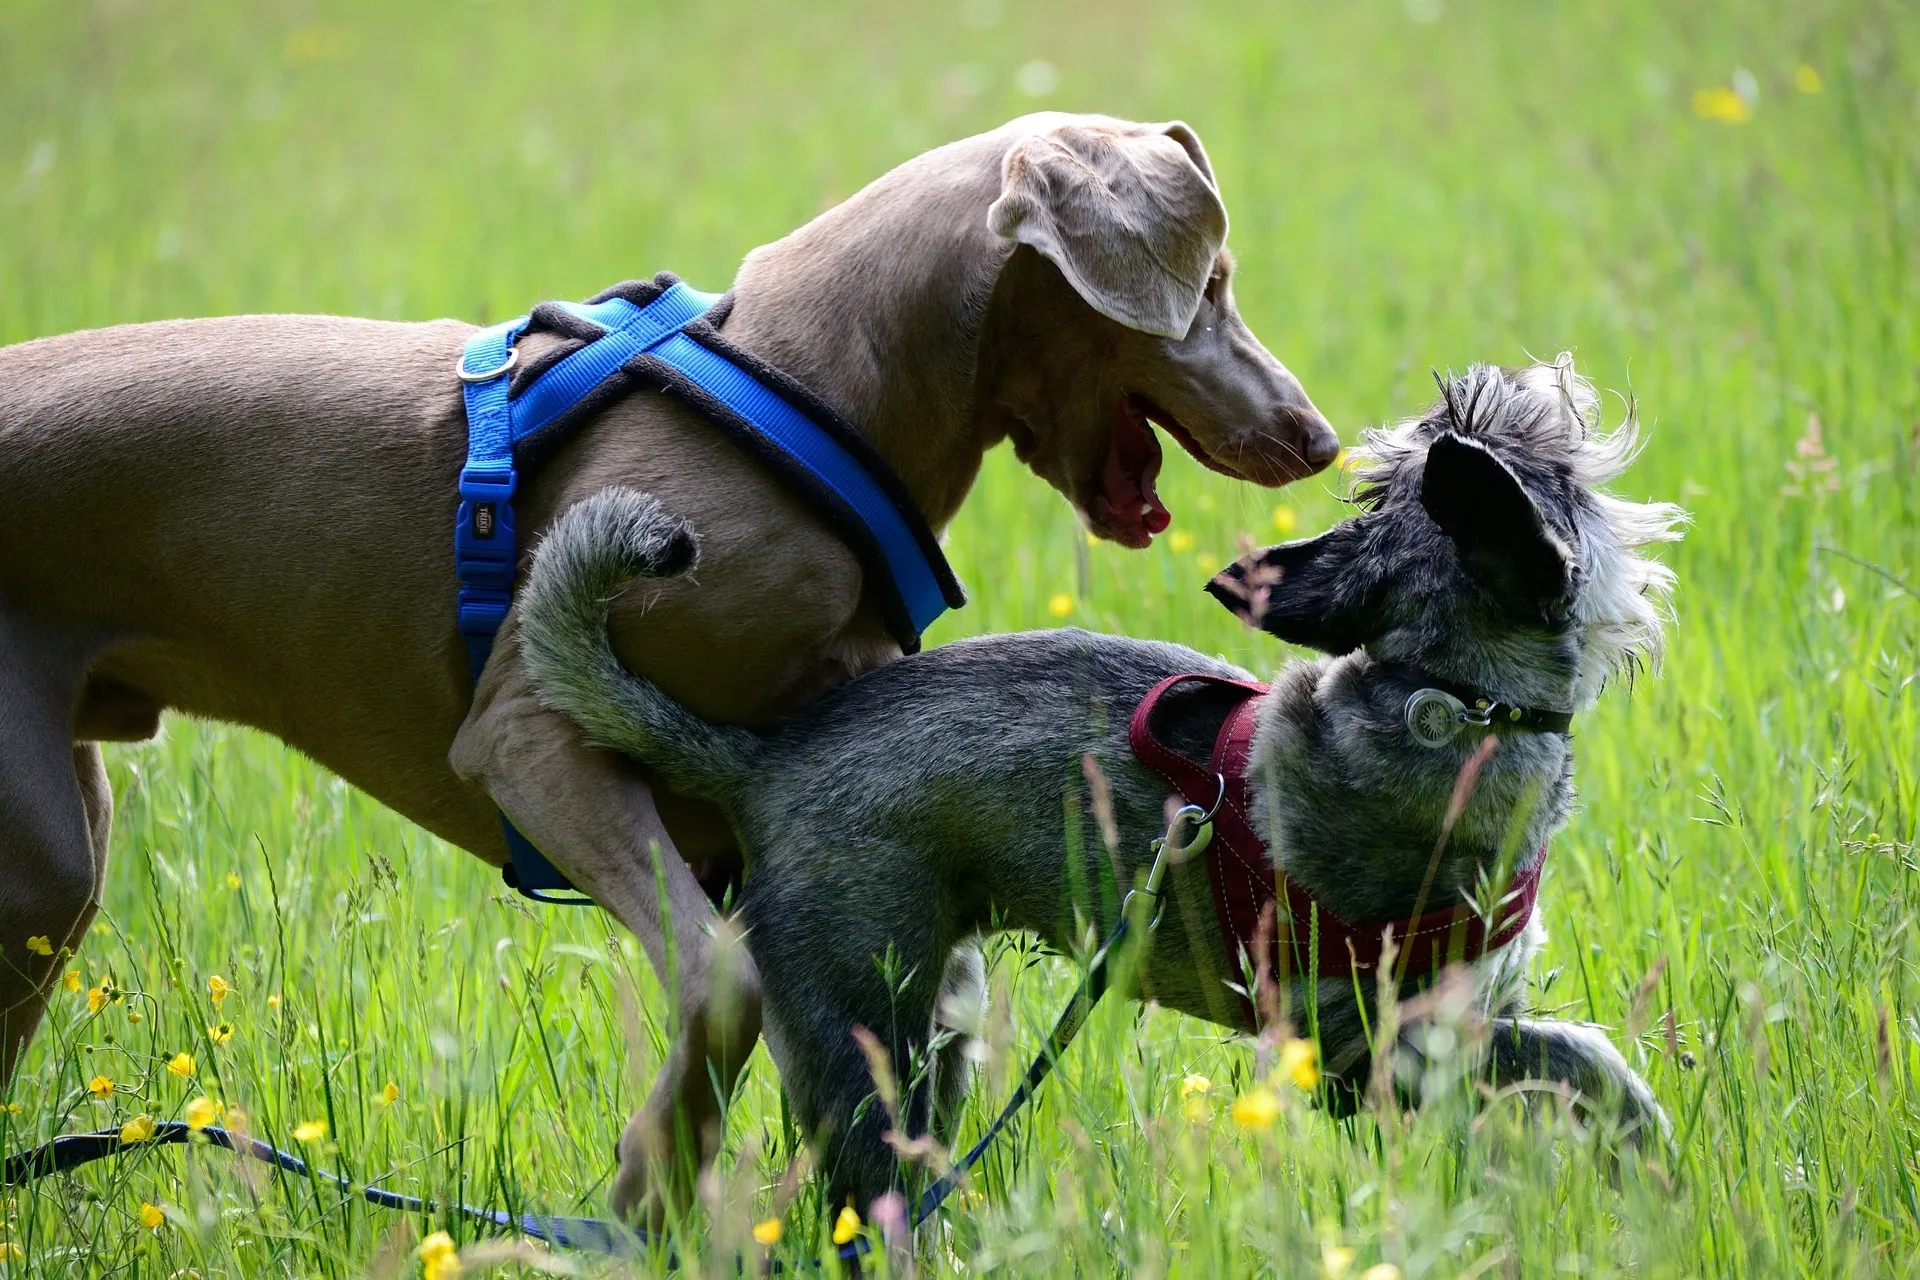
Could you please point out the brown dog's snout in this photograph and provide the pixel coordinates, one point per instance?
(1319, 444)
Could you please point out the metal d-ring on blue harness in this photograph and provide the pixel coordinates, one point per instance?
(760, 408)
(598, 1235)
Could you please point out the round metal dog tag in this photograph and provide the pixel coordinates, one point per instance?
(1434, 717)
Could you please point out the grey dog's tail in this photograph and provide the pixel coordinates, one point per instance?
(594, 550)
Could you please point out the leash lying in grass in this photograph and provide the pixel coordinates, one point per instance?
(599, 1235)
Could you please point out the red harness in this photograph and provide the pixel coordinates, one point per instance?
(1309, 938)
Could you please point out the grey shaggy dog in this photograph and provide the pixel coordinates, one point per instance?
(887, 826)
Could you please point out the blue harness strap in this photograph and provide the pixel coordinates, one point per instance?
(762, 409)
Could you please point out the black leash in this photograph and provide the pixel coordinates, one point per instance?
(597, 1235)
(72, 1150)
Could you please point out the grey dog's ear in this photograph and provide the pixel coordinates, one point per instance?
(1133, 220)
(1503, 541)
(1324, 593)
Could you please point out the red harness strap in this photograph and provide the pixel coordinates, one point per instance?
(1308, 937)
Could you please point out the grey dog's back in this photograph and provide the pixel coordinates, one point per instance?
(951, 751)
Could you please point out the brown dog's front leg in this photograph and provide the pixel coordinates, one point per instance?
(594, 816)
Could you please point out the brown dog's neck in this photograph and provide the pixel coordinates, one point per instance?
(877, 307)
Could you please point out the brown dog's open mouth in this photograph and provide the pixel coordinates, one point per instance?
(1126, 506)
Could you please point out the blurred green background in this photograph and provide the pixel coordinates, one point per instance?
(1716, 206)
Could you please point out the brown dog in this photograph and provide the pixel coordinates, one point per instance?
(250, 519)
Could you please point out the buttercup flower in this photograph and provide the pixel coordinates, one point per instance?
(768, 1232)
(311, 1131)
(1334, 1260)
(273, 1001)
(11, 1252)
(1807, 80)
(13, 1108)
(1180, 541)
(72, 980)
(96, 999)
(218, 989)
(40, 945)
(233, 879)
(846, 1226)
(1193, 1084)
(220, 1032)
(151, 1216)
(180, 1064)
(100, 1087)
(1299, 1063)
(389, 1094)
(1285, 519)
(1721, 104)
(138, 1129)
(1060, 605)
(1257, 1108)
(439, 1260)
(201, 1112)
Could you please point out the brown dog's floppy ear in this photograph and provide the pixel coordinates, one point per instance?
(1132, 220)
(1320, 592)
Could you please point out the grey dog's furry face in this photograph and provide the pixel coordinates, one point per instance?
(1485, 551)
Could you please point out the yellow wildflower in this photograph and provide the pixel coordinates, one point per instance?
(13, 1108)
(1381, 1271)
(11, 1252)
(1060, 605)
(1285, 519)
(1807, 80)
(138, 1129)
(768, 1232)
(1721, 104)
(151, 1216)
(1181, 541)
(389, 1094)
(1208, 562)
(439, 1260)
(273, 1001)
(134, 1015)
(180, 1064)
(96, 999)
(100, 1087)
(846, 1226)
(1192, 1084)
(1300, 1063)
(1334, 1260)
(311, 1131)
(40, 945)
(218, 988)
(201, 1112)
(1197, 1110)
(1257, 1108)
(233, 879)
(220, 1032)
(72, 980)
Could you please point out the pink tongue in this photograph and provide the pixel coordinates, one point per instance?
(1126, 483)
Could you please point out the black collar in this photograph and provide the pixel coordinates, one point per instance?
(1439, 709)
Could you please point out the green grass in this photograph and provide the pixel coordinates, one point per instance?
(1506, 179)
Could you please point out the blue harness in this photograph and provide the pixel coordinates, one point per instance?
(662, 333)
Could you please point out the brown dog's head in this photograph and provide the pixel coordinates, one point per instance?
(1115, 315)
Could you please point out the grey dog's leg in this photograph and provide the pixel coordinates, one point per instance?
(822, 979)
(962, 1012)
(1581, 1056)
(55, 812)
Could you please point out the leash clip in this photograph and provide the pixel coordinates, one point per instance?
(1168, 850)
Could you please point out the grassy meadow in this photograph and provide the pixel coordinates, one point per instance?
(1715, 205)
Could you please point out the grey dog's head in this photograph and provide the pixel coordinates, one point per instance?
(1485, 549)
